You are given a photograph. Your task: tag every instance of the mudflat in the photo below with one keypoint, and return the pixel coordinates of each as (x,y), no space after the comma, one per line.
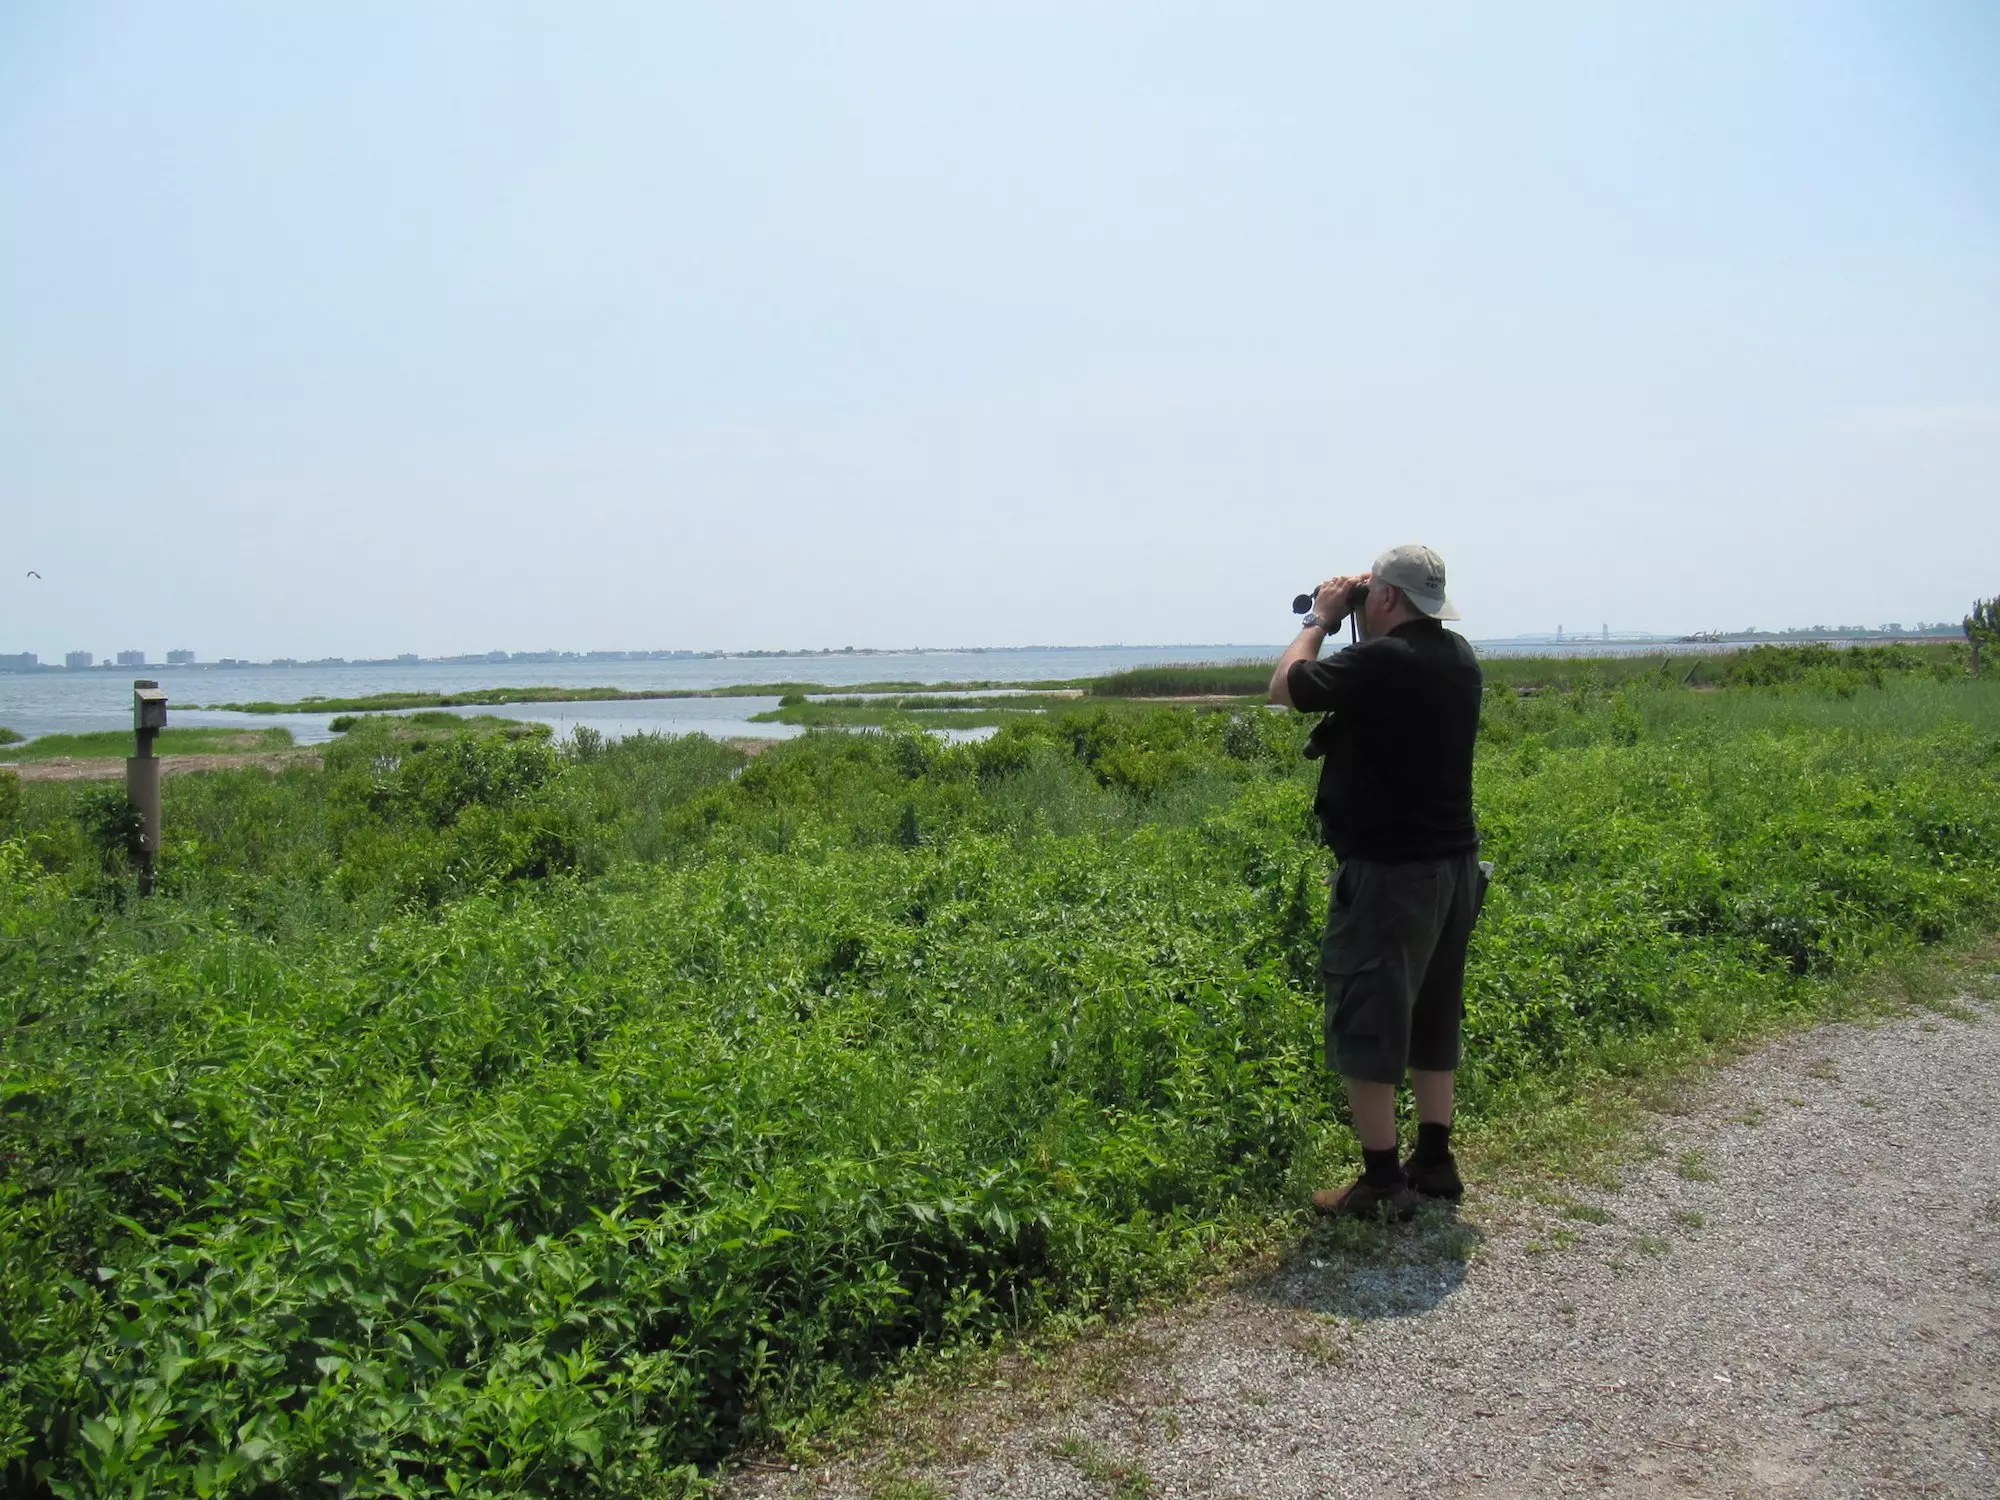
(98,768)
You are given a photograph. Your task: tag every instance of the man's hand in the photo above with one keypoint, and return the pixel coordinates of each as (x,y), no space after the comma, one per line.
(1331,603)
(1332,600)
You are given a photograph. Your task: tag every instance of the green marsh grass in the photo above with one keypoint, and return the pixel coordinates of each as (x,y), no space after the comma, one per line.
(941,710)
(1233,679)
(436,724)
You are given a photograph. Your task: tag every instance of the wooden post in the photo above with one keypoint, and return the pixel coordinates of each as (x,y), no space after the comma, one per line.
(142,774)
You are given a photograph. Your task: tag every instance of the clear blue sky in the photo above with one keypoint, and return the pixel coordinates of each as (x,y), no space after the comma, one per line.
(363,327)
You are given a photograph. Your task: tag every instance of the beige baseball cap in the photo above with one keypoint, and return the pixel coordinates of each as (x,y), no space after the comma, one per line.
(1419,573)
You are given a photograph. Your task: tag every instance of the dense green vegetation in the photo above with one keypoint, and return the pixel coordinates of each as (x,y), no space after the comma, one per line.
(482,1115)
(1784,667)
(117,744)
(1233,679)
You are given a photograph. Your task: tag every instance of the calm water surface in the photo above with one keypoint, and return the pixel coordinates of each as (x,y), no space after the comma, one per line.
(36,703)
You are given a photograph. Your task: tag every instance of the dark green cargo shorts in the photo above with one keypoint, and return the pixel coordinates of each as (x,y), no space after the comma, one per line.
(1393,960)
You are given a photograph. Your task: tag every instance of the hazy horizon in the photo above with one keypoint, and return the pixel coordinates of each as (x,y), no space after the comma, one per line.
(377,328)
(584,654)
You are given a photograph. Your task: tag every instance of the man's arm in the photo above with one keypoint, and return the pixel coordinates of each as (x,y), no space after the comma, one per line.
(1330,607)
(1304,648)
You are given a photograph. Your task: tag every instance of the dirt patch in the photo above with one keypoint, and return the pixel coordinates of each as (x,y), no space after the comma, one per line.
(75,768)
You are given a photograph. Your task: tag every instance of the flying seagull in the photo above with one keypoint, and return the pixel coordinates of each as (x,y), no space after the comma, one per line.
(33,574)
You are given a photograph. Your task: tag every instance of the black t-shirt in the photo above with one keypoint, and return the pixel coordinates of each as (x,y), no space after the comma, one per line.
(1396,784)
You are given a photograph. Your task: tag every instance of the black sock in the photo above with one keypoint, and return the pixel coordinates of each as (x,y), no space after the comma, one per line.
(1433,1143)
(1380,1169)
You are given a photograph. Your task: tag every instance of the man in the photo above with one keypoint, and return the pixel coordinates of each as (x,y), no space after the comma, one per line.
(1395,802)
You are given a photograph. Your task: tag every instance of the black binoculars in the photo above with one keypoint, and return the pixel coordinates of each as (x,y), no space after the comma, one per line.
(1303,603)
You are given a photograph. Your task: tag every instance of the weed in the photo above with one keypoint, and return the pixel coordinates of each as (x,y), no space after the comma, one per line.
(1690,1218)
(1693,1167)
(1314,1339)
(1124,1479)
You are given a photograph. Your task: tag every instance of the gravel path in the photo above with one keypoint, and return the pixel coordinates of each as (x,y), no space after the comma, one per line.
(1799,1295)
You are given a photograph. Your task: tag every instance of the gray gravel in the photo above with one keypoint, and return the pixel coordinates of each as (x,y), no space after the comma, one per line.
(1799,1295)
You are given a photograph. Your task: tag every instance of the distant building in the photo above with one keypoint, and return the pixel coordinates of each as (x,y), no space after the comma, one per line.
(25,661)
(231,661)
(407,658)
(76,661)
(180,658)
(131,658)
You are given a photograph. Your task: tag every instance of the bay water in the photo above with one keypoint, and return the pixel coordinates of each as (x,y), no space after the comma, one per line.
(98,698)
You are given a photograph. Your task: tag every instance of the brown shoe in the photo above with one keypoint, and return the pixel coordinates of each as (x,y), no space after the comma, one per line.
(1362,1199)
(1436,1179)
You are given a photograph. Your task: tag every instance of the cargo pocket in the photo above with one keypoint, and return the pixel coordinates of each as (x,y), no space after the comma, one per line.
(1355,1023)
(1351,1004)
(1344,945)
